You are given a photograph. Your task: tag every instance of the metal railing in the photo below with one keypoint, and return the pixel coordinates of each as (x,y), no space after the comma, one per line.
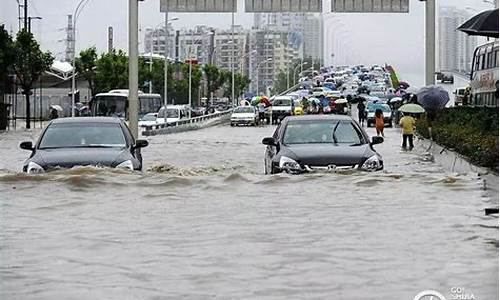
(150,130)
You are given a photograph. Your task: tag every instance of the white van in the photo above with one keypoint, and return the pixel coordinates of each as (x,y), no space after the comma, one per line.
(172,113)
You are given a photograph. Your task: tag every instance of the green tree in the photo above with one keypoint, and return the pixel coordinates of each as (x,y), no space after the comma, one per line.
(111,71)
(29,63)
(241,84)
(86,64)
(213,77)
(7,53)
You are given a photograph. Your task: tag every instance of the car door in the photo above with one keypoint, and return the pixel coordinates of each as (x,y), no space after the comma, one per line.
(271,151)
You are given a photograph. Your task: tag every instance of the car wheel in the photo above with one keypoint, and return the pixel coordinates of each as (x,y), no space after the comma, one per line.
(232,125)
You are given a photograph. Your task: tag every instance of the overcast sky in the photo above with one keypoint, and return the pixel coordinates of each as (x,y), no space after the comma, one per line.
(369,38)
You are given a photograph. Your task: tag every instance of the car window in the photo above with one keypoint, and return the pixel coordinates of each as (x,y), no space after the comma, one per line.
(148,118)
(321,132)
(83,135)
(282,102)
(244,109)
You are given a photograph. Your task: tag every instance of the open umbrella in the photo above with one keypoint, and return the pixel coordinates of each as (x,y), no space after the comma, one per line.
(483,24)
(412,109)
(433,97)
(314,100)
(256,100)
(403,84)
(56,107)
(396,99)
(244,103)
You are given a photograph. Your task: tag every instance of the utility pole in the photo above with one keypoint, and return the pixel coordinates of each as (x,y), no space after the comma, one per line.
(25,14)
(165,63)
(133,66)
(430,41)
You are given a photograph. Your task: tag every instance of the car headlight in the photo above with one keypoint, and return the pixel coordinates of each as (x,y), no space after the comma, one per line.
(288,164)
(126,165)
(373,163)
(34,168)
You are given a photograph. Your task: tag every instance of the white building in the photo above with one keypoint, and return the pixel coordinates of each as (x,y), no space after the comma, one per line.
(455,47)
(271,54)
(303,29)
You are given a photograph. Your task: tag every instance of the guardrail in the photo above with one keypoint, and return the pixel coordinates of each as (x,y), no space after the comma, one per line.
(151,130)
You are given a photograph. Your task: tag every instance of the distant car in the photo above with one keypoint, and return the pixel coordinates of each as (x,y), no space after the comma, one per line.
(447,78)
(326,142)
(459,96)
(386,110)
(84,141)
(282,106)
(245,115)
(148,120)
(439,75)
(172,113)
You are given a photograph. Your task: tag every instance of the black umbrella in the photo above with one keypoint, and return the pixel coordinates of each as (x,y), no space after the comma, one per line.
(433,98)
(483,24)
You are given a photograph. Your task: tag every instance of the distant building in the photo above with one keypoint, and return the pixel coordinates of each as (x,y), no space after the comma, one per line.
(455,47)
(302,28)
(271,54)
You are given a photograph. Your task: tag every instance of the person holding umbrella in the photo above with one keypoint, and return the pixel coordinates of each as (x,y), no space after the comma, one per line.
(407,124)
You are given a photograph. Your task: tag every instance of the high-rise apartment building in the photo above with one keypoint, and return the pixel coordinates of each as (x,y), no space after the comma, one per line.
(303,28)
(455,47)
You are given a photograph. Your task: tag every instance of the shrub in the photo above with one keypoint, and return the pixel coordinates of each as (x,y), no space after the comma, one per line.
(470,131)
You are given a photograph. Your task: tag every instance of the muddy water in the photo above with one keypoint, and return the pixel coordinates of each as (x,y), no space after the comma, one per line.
(204,222)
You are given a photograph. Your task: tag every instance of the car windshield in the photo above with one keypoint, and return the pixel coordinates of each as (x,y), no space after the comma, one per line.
(148,118)
(110,106)
(244,109)
(81,135)
(170,113)
(374,106)
(282,102)
(321,132)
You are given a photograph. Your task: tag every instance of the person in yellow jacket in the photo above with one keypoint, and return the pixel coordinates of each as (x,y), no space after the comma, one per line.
(407,124)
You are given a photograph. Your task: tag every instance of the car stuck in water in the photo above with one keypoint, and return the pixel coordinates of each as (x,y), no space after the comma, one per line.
(87,141)
(307,143)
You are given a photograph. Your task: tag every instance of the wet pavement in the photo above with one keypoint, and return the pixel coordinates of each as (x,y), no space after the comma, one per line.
(204,222)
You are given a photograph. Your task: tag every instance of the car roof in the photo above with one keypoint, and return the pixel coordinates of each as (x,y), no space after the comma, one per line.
(319,117)
(75,120)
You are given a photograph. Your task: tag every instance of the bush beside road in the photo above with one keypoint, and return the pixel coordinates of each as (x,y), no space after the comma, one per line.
(470,131)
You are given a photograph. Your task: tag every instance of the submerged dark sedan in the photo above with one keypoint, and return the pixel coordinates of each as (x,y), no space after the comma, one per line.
(326,142)
(97,141)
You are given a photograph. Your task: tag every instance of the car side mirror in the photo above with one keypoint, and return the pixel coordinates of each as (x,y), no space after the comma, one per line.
(377,140)
(141,143)
(270,141)
(26,146)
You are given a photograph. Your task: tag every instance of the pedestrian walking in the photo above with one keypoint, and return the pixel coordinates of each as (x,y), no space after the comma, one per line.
(407,124)
(53,114)
(262,112)
(361,112)
(379,122)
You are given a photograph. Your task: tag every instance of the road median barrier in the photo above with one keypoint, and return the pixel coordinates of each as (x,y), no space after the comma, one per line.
(188,124)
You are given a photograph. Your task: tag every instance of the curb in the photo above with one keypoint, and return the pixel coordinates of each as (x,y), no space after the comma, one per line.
(456,163)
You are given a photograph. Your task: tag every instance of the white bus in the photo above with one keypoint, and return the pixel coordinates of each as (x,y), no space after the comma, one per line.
(484,76)
(115,103)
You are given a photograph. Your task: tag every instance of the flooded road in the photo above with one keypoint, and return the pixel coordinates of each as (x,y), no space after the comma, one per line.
(204,222)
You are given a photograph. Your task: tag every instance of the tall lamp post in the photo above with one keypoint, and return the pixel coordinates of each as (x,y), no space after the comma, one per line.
(78,9)
(258,67)
(193,41)
(295,71)
(165,58)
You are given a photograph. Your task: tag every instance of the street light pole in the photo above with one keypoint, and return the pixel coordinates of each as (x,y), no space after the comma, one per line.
(295,70)
(232,59)
(80,6)
(165,64)
(258,66)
